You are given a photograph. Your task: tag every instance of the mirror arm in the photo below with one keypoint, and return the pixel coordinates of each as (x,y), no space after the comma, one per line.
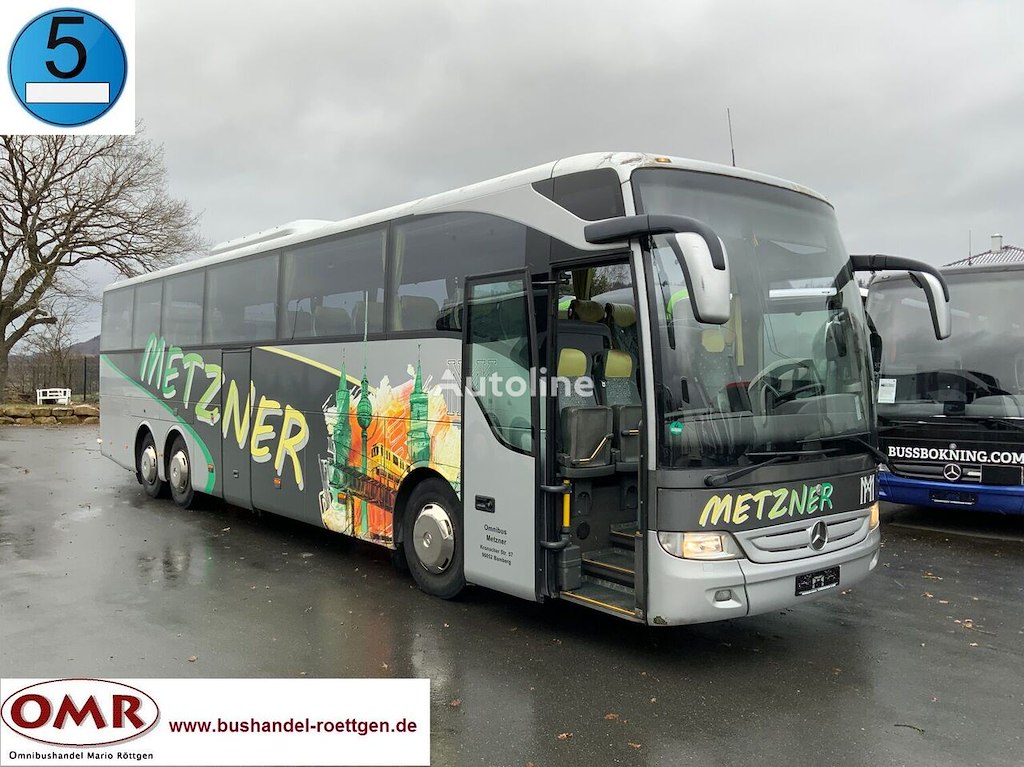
(626,227)
(879,262)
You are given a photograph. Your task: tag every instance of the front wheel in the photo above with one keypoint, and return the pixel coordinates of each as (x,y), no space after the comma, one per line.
(433,542)
(179,474)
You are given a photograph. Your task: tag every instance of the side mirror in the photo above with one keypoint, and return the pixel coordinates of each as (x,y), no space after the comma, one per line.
(708,285)
(696,245)
(925,276)
(875,340)
(938,304)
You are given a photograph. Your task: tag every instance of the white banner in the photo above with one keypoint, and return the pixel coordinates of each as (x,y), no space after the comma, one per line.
(215,721)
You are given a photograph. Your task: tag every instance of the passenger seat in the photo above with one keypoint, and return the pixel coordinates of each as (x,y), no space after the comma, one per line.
(330,321)
(417,313)
(586,427)
(376,317)
(621,321)
(617,389)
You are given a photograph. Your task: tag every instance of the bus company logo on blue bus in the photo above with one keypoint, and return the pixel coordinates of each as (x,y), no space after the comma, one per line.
(957,454)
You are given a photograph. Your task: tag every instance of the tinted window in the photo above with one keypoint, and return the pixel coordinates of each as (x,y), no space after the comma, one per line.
(433,256)
(241,301)
(331,287)
(116,327)
(147,312)
(591,195)
(183,309)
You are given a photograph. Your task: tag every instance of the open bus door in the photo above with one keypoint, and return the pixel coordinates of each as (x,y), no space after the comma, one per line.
(502,435)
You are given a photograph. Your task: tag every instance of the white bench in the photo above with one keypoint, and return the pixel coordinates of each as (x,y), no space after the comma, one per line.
(53,396)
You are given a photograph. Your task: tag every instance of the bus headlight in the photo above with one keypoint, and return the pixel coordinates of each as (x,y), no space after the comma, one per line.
(700,545)
(874,516)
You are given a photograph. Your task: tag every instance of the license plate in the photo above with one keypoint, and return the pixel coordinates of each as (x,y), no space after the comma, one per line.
(819,581)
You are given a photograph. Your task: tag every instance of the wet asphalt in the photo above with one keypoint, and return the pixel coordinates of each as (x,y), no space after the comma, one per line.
(923,664)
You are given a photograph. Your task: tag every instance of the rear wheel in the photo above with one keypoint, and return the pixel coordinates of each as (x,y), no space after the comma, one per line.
(433,542)
(179,474)
(147,462)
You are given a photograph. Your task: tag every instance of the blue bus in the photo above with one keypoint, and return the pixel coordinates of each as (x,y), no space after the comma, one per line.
(951,414)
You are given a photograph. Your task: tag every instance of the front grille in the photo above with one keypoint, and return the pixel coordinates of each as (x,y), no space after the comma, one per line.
(934,472)
(970,473)
(783,543)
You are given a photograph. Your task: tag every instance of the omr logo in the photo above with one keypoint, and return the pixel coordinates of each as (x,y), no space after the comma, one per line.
(80,712)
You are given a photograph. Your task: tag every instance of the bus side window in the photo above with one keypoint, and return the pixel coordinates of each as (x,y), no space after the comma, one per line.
(434,254)
(326,284)
(116,325)
(245,291)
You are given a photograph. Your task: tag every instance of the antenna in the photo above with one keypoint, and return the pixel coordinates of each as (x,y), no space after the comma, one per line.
(732,147)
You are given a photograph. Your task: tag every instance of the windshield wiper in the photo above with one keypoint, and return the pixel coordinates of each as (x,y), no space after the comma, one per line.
(774,456)
(855,439)
(954,420)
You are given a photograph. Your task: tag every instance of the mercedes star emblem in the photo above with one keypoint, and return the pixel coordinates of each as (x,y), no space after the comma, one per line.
(819,536)
(952,472)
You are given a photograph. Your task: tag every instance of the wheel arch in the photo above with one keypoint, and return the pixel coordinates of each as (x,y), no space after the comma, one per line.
(412,480)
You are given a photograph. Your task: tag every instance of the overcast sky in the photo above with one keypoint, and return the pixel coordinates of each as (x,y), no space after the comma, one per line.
(908,116)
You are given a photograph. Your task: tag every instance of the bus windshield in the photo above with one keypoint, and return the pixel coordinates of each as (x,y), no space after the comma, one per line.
(973,373)
(789,372)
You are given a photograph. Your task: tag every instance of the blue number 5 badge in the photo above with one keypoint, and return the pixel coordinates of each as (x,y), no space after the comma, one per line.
(68,67)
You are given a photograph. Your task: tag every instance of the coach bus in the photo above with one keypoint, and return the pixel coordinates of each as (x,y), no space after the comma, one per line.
(951,415)
(638,383)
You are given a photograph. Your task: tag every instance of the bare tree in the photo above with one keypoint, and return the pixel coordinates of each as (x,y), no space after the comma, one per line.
(69,200)
(50,345)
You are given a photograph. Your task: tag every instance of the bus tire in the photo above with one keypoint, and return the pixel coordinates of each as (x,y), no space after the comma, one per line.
(433,542)
(147,462)
(179,473)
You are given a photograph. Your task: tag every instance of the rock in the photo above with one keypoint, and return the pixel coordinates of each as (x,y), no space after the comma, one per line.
(91,419)
(23,421)
(39,411)
(67,419)
(87,411)
(45,419)
(60,412)
(18,411)
(6,420)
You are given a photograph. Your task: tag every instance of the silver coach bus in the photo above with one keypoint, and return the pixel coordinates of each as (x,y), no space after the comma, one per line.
(638,383)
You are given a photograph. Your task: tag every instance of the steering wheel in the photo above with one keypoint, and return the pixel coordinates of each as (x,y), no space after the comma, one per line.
(770,380)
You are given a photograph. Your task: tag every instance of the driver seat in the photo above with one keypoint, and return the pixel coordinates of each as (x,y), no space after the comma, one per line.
(716,368)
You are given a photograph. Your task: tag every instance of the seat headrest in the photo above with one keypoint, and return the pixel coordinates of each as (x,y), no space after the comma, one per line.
(622,315)
(712,340)
(331,320)
(375,315)
(617,364)
(418,312)
(588,311)
(572,363)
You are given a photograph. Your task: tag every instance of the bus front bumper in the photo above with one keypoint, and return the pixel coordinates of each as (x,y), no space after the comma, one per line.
(682,591)
(1002,499)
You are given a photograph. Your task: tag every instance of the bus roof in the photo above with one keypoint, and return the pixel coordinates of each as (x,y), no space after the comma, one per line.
(623,163)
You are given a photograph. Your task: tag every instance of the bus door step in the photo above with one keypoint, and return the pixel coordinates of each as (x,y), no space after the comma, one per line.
(614,564)
(624,535)
(612,599)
